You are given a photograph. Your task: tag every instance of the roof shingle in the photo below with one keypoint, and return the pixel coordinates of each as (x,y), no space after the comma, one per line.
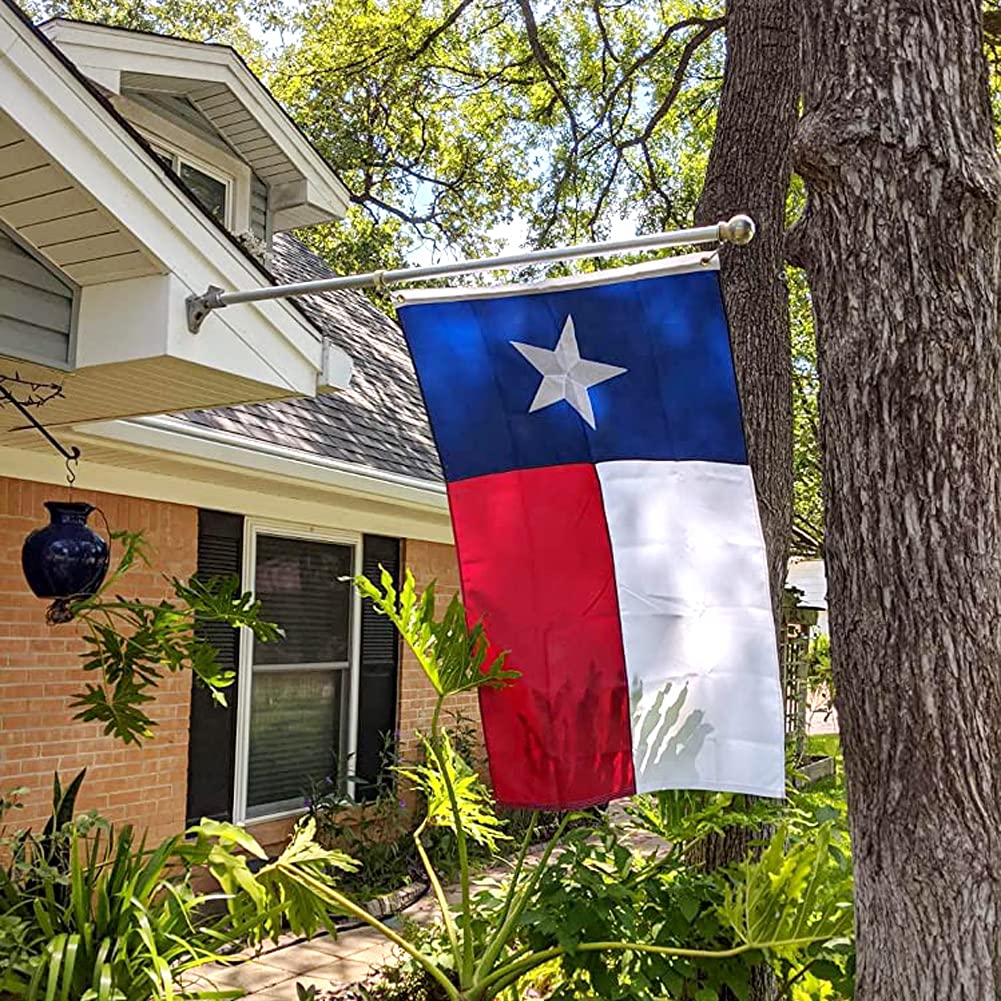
(379,421)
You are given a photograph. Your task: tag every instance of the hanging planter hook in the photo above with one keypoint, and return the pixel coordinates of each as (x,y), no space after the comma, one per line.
(71,454)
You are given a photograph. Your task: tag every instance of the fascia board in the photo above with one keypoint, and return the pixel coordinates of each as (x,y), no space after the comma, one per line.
(57,109)
(207,445)
(175,481)
(102,47)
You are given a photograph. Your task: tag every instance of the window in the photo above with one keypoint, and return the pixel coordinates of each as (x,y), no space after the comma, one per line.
(221,741)
(211,187)
(212,193)
(186,142)
(295,722)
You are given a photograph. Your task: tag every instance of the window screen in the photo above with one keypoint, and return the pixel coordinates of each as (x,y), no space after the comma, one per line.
(299,684)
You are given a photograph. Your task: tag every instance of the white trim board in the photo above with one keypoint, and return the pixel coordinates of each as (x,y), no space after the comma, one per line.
(227,488)
(252,528)
(216,448)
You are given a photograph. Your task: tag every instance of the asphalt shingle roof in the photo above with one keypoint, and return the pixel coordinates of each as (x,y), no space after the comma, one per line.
(379,421)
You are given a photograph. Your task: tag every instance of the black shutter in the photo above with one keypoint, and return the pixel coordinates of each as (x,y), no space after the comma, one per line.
(380,665)
(212,740)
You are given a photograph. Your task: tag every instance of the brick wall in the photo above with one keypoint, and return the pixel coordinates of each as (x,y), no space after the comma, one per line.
(429,561)
(39,672)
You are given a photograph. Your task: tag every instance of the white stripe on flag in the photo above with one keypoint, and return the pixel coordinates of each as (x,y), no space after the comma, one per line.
(697,628)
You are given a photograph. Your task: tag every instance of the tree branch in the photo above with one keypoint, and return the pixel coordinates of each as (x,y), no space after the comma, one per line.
(433,35)
(687,53)
(992,27)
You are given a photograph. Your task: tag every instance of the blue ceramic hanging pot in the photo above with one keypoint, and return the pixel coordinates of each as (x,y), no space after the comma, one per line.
(67,558)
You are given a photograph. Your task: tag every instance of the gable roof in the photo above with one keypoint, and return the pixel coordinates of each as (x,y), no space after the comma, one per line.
(222,87)
(378,422)
(65,137)
(98,98)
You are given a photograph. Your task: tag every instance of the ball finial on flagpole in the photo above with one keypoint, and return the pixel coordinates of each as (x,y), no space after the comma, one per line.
(739,230)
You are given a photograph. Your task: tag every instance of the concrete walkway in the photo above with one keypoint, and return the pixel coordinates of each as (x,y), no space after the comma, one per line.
(324,961)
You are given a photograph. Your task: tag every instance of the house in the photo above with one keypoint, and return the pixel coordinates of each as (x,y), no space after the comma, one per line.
(285,442)
(809,576)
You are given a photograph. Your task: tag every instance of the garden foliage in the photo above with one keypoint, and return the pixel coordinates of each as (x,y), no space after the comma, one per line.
(131,643)
(90,912)
(609,920)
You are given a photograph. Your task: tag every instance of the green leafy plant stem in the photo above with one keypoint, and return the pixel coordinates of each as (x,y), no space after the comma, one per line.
(462,849)
(132,644)
(327,893)
(512,915)
(504,976)
(439,894)
(518,866)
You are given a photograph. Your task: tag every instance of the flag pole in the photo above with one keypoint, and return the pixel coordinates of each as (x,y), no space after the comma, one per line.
(739,230)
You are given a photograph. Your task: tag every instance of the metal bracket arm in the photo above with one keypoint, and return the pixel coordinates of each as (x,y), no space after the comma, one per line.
(71,454)
(739,231)
(199,306)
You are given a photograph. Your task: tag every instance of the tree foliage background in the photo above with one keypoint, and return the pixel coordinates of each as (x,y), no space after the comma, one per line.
(459,125)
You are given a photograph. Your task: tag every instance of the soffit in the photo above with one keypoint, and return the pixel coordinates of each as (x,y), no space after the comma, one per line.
(151,385)
(60,219)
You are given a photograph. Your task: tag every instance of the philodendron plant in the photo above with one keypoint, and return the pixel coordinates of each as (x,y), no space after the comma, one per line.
(130,644)
(774,907)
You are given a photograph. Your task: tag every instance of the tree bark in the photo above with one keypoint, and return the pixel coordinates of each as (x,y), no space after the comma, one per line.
(900,242)
(748,171)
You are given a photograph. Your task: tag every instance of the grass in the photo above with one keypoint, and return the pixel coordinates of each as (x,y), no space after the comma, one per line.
(824,743)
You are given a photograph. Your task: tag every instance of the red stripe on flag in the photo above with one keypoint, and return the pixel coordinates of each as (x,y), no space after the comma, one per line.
(536,567)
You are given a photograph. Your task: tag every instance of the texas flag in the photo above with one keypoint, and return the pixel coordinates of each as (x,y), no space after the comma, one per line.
(607,531)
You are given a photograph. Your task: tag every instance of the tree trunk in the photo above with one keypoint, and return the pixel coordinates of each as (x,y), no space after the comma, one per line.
(748,171)
(900,241)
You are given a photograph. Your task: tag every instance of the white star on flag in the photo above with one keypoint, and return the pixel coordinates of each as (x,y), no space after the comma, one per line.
(565,375)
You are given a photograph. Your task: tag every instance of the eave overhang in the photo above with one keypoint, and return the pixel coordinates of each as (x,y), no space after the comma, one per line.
(134,354)
(220,85)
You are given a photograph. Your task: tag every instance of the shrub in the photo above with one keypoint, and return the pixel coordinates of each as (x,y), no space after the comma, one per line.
(577,907)
(88,912)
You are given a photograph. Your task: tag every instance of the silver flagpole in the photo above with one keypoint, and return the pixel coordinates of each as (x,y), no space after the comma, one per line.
(738,230)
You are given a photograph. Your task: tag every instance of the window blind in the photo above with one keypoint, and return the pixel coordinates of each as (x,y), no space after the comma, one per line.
(300,684)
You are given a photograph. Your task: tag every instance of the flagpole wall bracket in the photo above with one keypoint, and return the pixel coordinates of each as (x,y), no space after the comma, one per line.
(738,230)
(199,306)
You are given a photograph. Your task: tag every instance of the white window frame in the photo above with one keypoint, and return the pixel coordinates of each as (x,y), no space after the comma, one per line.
(180,143)
(176,159)
(252,528)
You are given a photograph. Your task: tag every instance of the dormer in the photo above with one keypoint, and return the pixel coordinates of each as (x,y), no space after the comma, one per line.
(101,244)
(211,120)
